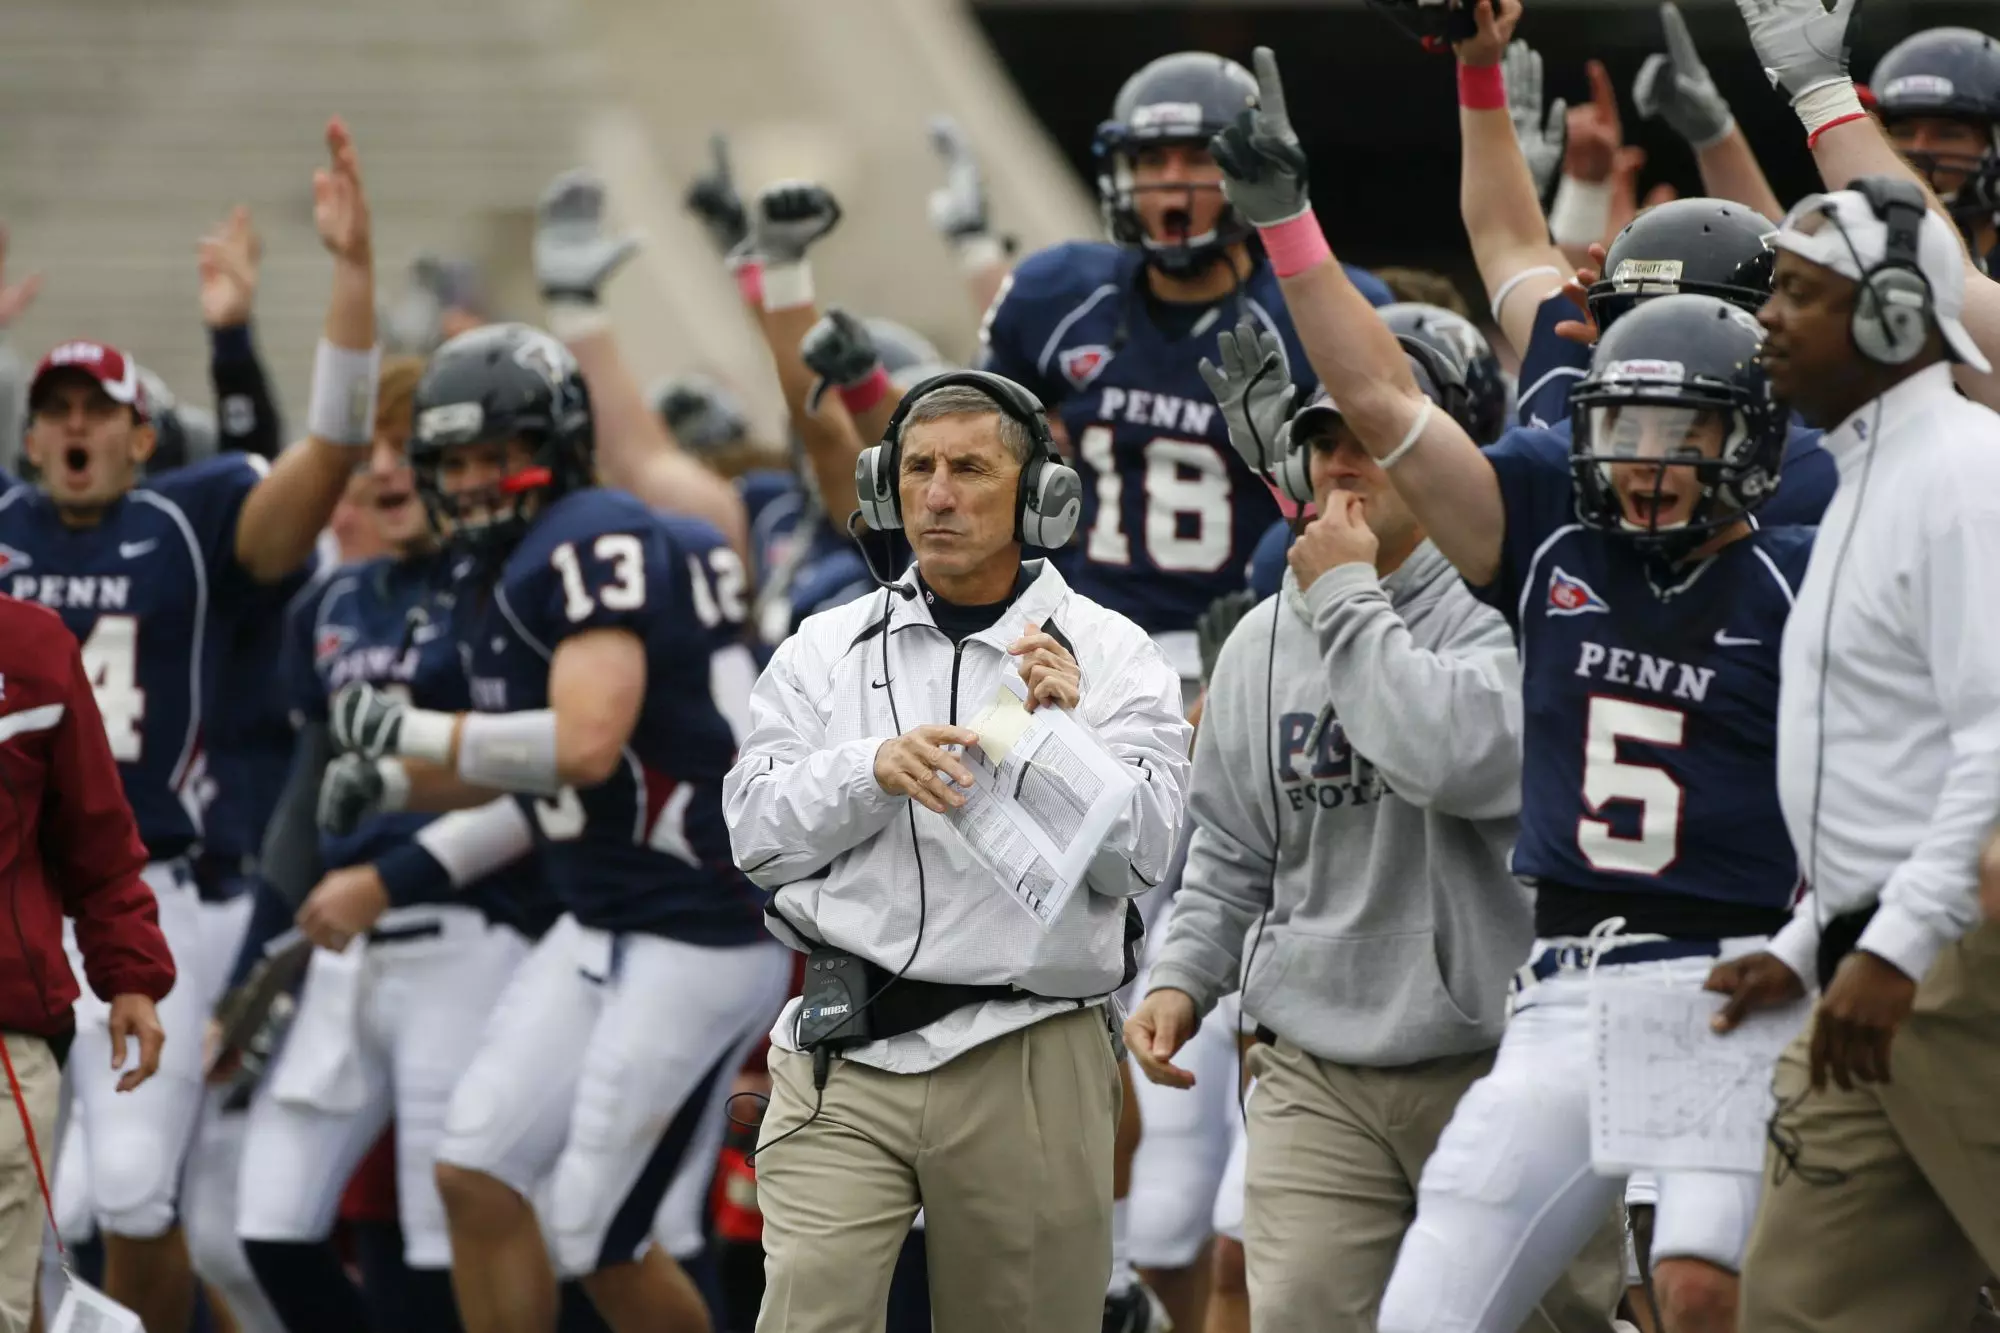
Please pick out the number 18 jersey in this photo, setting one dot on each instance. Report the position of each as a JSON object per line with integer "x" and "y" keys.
{"x": 1651, "y": 698}
{"x": 1171, "y": 513}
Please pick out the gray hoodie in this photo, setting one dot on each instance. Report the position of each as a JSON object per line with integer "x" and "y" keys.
{"x": 1396, "y": 924}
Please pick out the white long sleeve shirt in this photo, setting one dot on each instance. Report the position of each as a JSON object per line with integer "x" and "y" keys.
{"x": 808, "y": 821}
{"x": 1892, "y": 797}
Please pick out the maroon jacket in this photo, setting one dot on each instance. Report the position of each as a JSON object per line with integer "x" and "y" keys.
{"x": 68, "y": 842}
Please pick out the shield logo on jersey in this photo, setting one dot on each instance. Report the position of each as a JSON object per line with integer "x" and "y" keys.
{"x": 332, "y": 640}
{"x": 1571, "y": 596}
{"x": 13, "y": 561}
{"x": 1080, "y": 365}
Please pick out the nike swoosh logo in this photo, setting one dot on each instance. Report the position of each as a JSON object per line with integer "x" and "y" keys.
{"x": 133, "y": 550}
{"x": 1724, "y": 639}
{"x": 878, "y": 684}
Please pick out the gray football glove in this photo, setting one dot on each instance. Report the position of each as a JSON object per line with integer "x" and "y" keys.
{"x": 573, "y": 256}
{"x": 1543, "y": 136}
{"x": 840, "y": 351}
{"x": 1676, "y": 87}
{"x": 713, "y": 199}
{"x": 1802, "y": 44}
{"x": 365, "y": 721}
{"x": 1263, "y": 167}
{"x": 958, "y": 207}
{"x": 1255, "y": 392}
{"x": 789, "y": 218}
{"x": 350, "y": 790}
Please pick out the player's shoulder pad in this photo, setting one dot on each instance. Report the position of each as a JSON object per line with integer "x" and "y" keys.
{"x": 1072, "y": 269}
{"x": 584, "y": 514}
{"x": 1544, "y": 446}
{"x": 1789, "y": 548}
{"x": 696, "y": 536}
{"x": 223, "y": 470}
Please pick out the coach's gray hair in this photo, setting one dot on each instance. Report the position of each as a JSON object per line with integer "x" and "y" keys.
{"x": 963, "y": 400}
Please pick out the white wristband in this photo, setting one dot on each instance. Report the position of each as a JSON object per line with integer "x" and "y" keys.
{"x": 342, "y": 407}
{"x": 1396, "y": 455}
{"x": 510, "y": 752}
{"x": 571, "y": 319}
{"x": 787, "y": 286}
{"x": 395, "y": 784}
{"x": 426, "y": 735}
{"x": 1581, "y": 212}
{"x": 1820, "y": 107}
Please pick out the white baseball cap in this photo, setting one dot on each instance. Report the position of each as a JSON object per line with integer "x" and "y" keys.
{"x": 1839, "y": 230}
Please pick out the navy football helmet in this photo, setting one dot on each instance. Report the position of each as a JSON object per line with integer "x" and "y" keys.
{"x": 495, "y": 383}
{"x": 1954, "y": 74}
{"x": 1185, "y": 98}
{"x": 1709, "y": 247}
{"x": 1671, "y": 370}
{"x": 1460, "y": 338}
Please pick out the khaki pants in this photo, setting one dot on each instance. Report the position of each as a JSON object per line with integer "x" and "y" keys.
{"x": 1008, "y": 1149}
{"x": 1335, "y": 1154}
{"x": 20, "y": 1195}
{"x": 1891, "y": 1217}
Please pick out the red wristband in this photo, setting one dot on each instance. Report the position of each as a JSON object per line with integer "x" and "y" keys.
{"x": 860, "y": 397}
{"x": 1481, "y": 88}
{"x": 1295, "y": 245}
{"x": 750, "y": 282}
{"x": 1812, "y": 140}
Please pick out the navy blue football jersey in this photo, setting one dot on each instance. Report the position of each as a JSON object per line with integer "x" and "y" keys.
{"x": 356, "y": 625}
{"x": 149, "y": 593}
{"x": 1650, "y": 751}
{"x": 720, "y": 586}
{"x": 1170, "y": 512}
{"x": 647, "y": 849}
{"x": 774, "y": 502}
{"x": 248, "y": 730}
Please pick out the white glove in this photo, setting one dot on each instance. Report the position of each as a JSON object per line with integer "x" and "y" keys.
{"x": 573, "y": 256}
{"x": 1543, "y": 138}
{"x": 1254, "y": 392}
{"x": 351, "y": 789}
{"x": 1676, "y": 88}
{"x": 1802, "y": 44}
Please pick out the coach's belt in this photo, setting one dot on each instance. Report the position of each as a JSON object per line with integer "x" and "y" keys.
{"x": 1574, "y": 956}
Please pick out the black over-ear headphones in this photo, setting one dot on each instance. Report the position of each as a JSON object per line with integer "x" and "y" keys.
{"x": 1050, "y": 499}
{"x": 1892, "y": 310}
{"x": 1442, "y": 381}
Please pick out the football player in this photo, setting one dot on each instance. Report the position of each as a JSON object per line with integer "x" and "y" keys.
{"x": 1938, "y": 95}
{"x": 1110, "y": 336}
{"x": 598, "y": 1090}
{"x": 1649, "y": 607}
{"x": 149, "y": 578}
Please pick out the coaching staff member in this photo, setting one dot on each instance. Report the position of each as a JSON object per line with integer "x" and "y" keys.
{"x": 1880, "y": 1208}
{"x": 68, "y": 847}
{"x": 984, "y": 1083}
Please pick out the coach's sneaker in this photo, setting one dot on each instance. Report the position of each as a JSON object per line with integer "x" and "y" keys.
{"x": 1135, "y": 1309}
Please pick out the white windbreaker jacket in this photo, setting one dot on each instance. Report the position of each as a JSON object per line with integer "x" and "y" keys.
{"x": 808, "y": 821}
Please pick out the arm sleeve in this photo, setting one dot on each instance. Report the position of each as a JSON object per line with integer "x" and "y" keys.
{"x": 1011, "y": 335}
{"x": 1444, "y": 728}
{"x": 456, "y": 850}
{"x": 91, "y": 846}
{"x": 1138, "y": 717}
{"x": 1227, "y": 883}
{"x": 1932, "y": 898}
{"x": 1551, "y": 365}
{"x": 792, "y": 803}
{"x": 246, "y": 414}
{"x": 1797, "y": 945}
{"x": 291, "y": 855}
{"x": 13, "y": 407}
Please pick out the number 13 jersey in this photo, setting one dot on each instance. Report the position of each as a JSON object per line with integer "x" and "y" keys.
{"x": 1650, "y": 700}
{"x": 645, "y": 850}
{"x": 1170, "y": 512}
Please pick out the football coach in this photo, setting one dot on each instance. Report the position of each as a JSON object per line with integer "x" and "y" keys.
{"x": 975, "y": 1070}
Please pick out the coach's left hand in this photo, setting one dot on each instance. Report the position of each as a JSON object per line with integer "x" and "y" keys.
{"x": 341, "y": 906}
{"x": 1858, "y": 1017}
{"x": 1339, "y": 536}
{"x": 1051, "y": 673}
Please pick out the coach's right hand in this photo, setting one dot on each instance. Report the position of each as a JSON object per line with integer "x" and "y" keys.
{"x": 1752, "y": 982}
{"x": 917, "y": 765}
{"x": 1160, "y": 1026}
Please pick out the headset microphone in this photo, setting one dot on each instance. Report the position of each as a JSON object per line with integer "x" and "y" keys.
{"x": 902, "y": 590}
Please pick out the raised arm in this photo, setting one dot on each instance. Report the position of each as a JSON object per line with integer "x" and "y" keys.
{"x": 1675, "y": 86}
{"x": 959, "y": 214}
{"x": 1435, "y": 466}
{"x": 246, "y": 412}
{"x": 283, "y": 514}
{"x": 574, "y": 258}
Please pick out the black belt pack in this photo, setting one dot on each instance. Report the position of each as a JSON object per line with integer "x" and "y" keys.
{"x": 849, "y": 1001}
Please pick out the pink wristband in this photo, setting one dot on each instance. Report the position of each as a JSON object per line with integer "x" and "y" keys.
{"x": 1481, "y": 87}
{"x": 1295, "y": 245}
{"x": 860, "y": 397}
{"x": 750, "y": 282}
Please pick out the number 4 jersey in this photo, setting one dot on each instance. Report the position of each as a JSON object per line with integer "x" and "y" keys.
{"x": 645, "y": 850}
{"x": 147, "y": 592}
{"x": 1651, "y": 707}
{"x": 1171, "y": 514}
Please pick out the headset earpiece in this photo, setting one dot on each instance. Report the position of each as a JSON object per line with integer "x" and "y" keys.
{"x": 1293, "y": 475}
{"x": 1892, "y": 308}
{"x": 875, "y": 487}
{"x": 1441, "y": 380}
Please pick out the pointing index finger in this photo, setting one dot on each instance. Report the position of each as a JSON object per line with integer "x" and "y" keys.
{"x": 1680, "y": 46}
{"x": 1603, "y": 96}
{"x": 718, "y": 153}
{"x": 1271, "y": 91}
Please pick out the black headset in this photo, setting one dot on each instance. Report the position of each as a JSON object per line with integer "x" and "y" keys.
{"x": 1893, "y": 308}
{"x": 1050, "y": 499}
